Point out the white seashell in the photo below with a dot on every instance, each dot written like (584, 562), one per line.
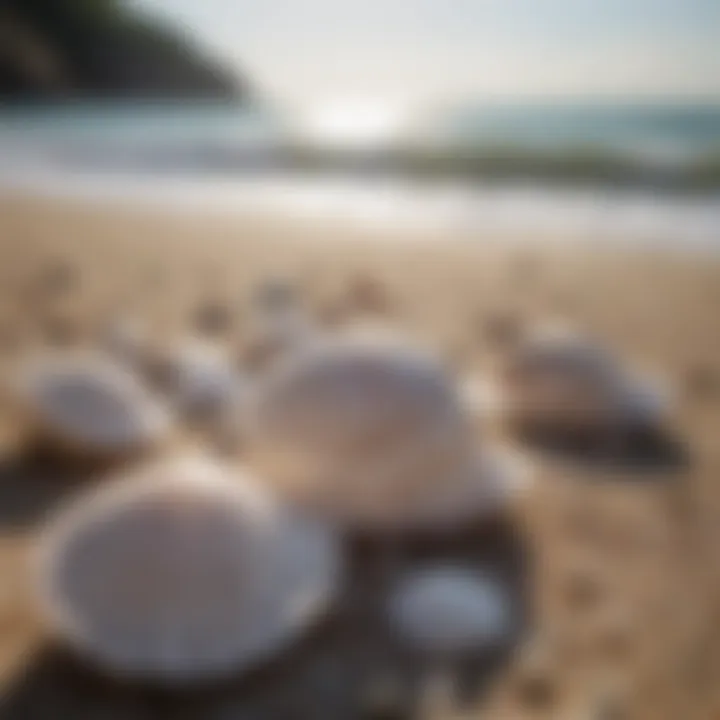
(645, 399)
(202, 383)
(181, 571)
(369, 432)
(561, 376)
(560, 348)
(447, 610)
(278, 324)
(88, 405)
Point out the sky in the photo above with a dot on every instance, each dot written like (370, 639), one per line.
(427, 51)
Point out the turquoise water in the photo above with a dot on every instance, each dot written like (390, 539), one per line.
(661, 130)
(641, 174)
(530, 136)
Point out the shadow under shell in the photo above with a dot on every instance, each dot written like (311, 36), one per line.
(642, 449)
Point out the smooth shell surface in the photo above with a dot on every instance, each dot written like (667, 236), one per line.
(202, 383)
(88, 404)
(278, 325)
(446, 610)
(183, 571)
(369, 433)
(562, 375)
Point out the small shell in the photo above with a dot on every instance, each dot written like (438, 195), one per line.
(184, 570)
(278, 325)
(449, 610)
(86, 405)
(560, 377)
(202, 384)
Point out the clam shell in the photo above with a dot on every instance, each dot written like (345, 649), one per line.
(202, 383)
(565, 378)
(183, 571)
(445, 610)
(370, 433)
(87, 405)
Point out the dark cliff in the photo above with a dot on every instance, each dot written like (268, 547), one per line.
(77, 49)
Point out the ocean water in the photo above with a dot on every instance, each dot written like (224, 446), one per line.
(641, 174)
(654, 132)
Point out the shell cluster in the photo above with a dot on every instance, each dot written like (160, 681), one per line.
(185, 567)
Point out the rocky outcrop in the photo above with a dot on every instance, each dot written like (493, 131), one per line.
(101, 49)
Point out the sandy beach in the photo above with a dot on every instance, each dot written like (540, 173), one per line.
(623, 566)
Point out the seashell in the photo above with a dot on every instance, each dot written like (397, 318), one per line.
(201, 383)
(372, 431)
(86, 405)
(449, 610)
(278, 326)
(560, 378)
(184, 570)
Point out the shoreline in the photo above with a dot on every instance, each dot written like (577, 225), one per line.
(571, 217)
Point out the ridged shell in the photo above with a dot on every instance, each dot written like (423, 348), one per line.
(184, 570)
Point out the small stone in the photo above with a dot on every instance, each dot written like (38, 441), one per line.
(501, 329)
(368, 294)
(213, 318)
(275, 294)
(702, 382)
(537, 691)
(448, 610)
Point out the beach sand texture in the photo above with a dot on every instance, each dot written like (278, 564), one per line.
(623, 565)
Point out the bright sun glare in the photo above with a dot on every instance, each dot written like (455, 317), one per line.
(362, 124)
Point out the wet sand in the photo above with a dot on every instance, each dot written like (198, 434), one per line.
(621, 564)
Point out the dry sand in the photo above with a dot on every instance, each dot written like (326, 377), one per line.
(624, 572)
